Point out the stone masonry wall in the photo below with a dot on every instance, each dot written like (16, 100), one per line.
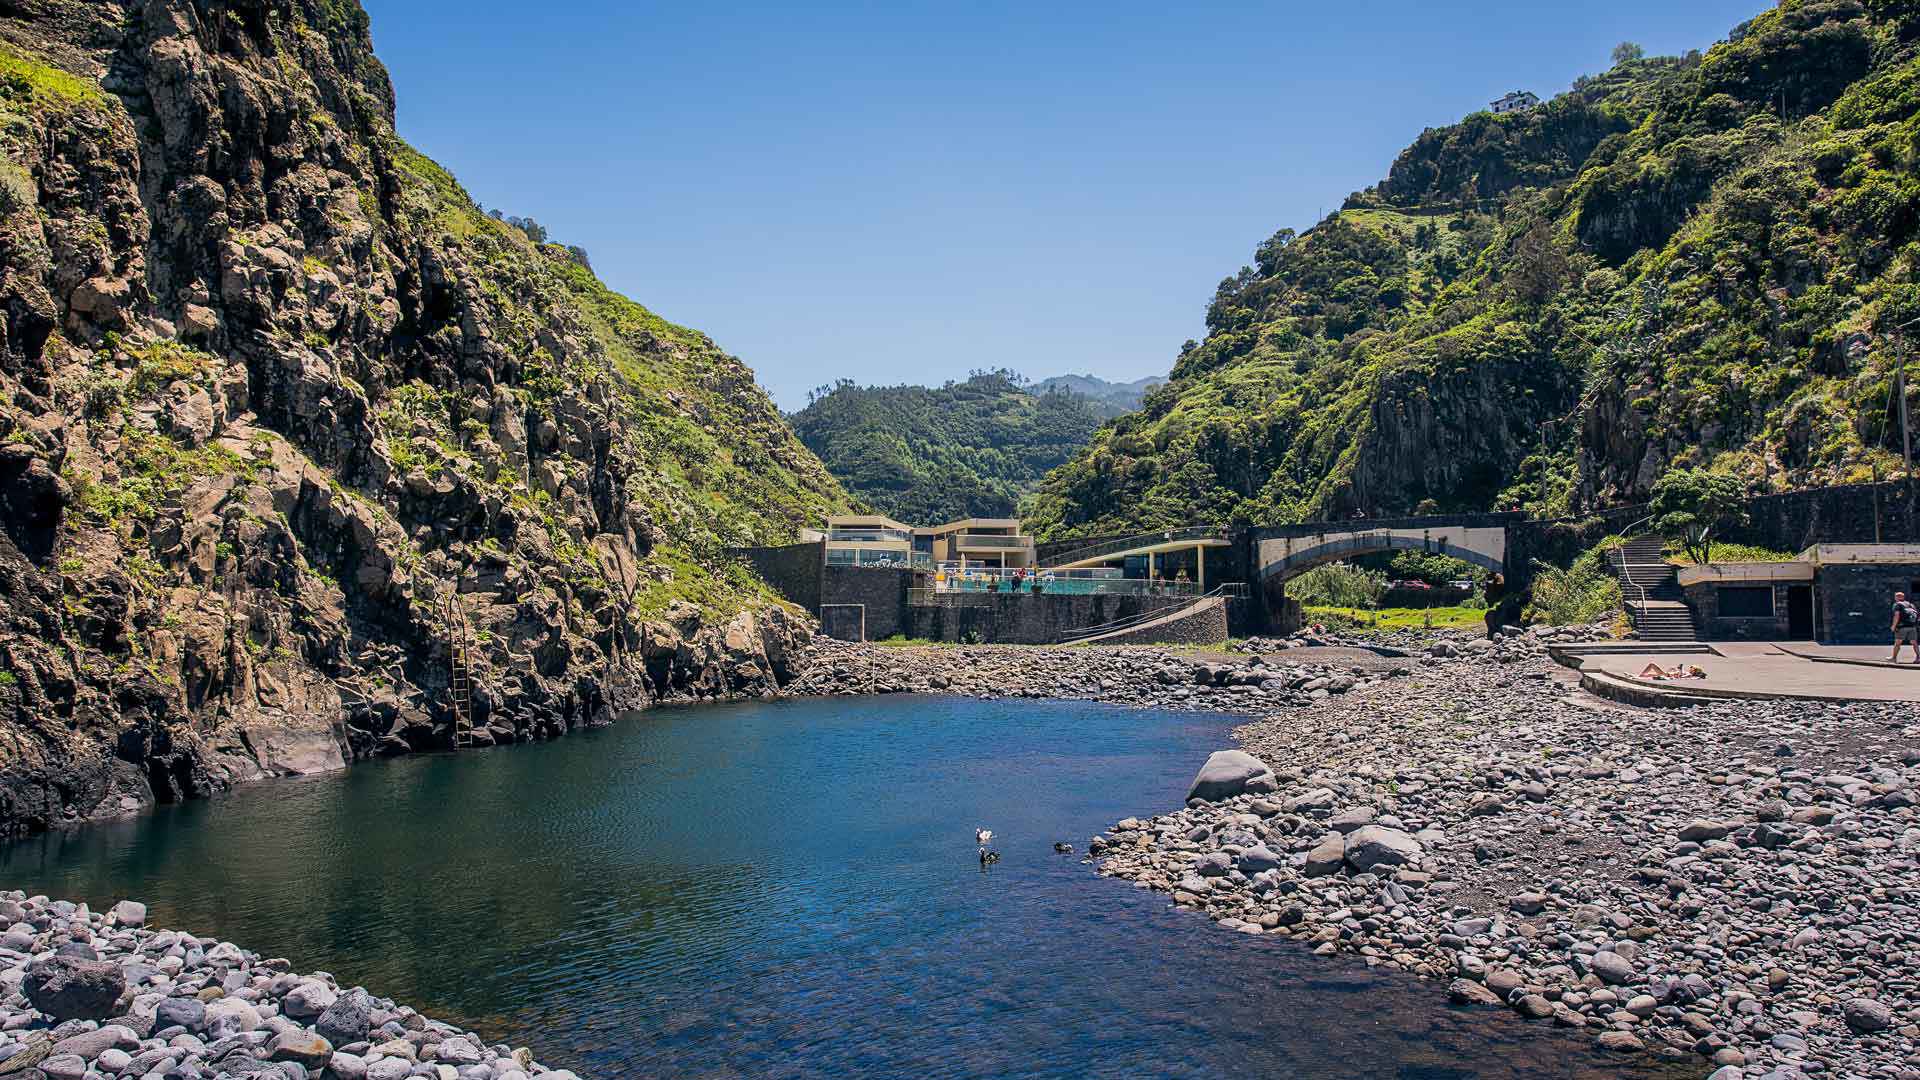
(794, 570)
(1855, 603)
(882, 591)
(1704, 598)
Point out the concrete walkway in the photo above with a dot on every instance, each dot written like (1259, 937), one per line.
(1863, 655)
(1763, 669)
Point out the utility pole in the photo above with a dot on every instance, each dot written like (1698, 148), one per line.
(1876, 502)
(1906, 434)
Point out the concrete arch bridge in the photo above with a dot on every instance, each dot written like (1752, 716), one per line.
(1303, 547)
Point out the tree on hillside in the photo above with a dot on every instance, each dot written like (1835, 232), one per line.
(1539, 266)
(1698, 505)
(1626, 52)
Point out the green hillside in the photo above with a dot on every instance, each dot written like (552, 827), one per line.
(930, 454)
(1546, 310)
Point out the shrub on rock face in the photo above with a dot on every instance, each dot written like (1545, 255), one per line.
(1231, 772)
(70, 988)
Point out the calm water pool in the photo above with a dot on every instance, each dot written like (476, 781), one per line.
(785, 890)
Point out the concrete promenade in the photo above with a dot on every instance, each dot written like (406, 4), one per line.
(1768, 669)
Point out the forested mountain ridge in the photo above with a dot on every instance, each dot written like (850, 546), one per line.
(925, 455)
(281, 410)
(1548, 309)
(1110, 398)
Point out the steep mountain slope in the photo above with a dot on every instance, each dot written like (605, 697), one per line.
(925, 455)
(275, 391)
(1548, 309)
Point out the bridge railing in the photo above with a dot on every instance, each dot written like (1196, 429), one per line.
(1167, 536)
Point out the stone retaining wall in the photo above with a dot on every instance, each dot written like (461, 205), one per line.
(1205, 625)
(883, 592)
(794, 570)
(1026, 619)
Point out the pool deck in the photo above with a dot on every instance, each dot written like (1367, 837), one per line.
(1801, 670)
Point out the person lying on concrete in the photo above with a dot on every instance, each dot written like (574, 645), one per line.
(1679, 671)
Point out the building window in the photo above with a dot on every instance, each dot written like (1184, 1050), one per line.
(1746, 601)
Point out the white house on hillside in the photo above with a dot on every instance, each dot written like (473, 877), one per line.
(1517, 101)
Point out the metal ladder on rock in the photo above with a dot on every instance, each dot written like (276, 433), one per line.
(460, 672)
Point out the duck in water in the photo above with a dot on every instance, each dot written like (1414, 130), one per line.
(983, 837)
(1060, 848)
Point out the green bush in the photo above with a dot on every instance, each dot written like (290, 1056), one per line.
(1337, 585)
(1585, 592)
(1433, 568)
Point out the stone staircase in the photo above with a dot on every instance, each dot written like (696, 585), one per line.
(1650, 589)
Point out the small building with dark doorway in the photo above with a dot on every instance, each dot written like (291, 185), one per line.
(1836, 594)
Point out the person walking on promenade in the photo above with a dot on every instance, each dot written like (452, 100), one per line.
(1906, 627)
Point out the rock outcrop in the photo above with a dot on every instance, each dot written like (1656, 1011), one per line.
(281, 407)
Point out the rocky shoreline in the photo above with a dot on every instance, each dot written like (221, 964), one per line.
(87, 994)
(1293, 672)
(1731, 884)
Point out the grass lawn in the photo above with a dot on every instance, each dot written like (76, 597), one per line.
(1399, 618)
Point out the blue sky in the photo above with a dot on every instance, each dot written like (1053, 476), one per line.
(902, 192)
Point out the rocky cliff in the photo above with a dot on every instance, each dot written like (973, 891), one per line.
(1694, 261)
(280, 408)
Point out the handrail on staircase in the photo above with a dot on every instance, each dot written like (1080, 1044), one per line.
(1620, 555)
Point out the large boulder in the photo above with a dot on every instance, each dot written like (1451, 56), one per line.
(1866, 1016)
(1376, 845)
(1231, 772)
(1327, 856)
(1613, 969)
(347, 1020)
(129, 913)
(70, 988)
(308, 1001)
(1257, 859)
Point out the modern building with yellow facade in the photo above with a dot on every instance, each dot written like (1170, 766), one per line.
(877, 540)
